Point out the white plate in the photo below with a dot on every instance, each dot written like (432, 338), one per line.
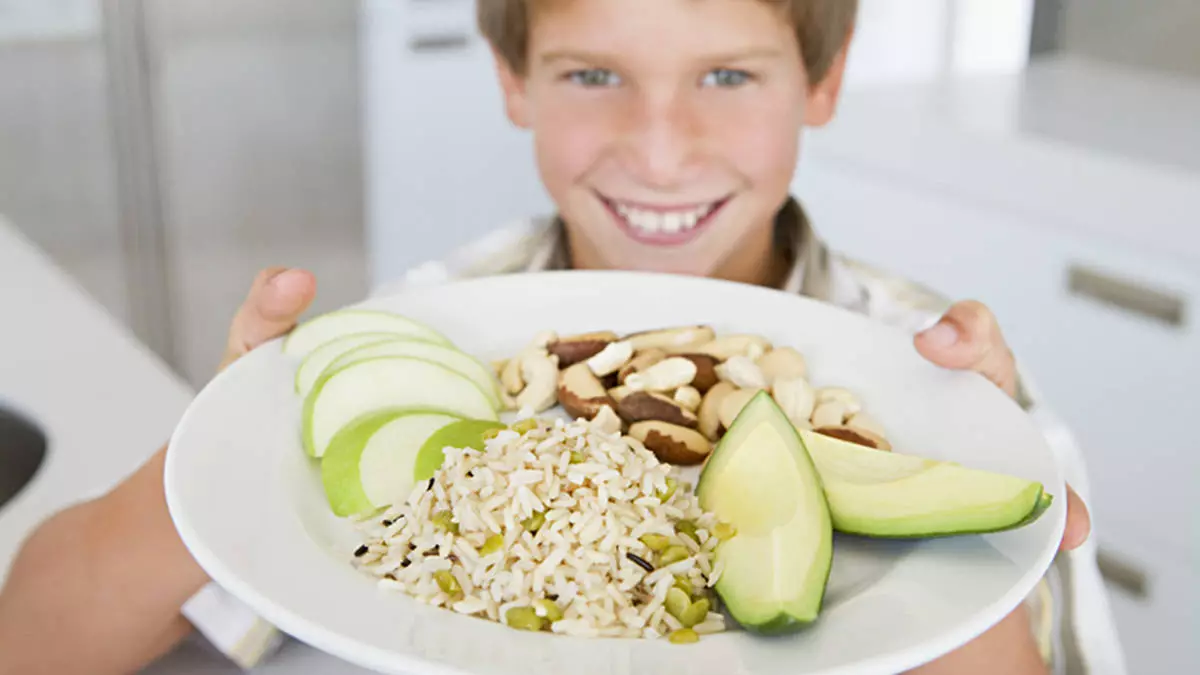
(249, 505)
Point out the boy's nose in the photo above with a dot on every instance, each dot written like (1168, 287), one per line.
(662, 140)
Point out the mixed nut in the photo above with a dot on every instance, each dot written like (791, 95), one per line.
(677, 389)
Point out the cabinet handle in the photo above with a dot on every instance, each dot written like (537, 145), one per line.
(440, 42)
(1126, 576)
(1131, 296)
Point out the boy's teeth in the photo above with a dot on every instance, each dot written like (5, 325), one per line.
(656, 221)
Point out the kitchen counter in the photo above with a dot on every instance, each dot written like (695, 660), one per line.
(106, 403)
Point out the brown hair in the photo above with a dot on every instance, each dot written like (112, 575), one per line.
(822, 27)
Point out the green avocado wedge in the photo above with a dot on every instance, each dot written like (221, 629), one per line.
(890, 495)
(459, 434)
(369, 463)
(761, 480)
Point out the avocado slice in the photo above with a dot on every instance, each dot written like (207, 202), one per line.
(890, 495)
(761, 480)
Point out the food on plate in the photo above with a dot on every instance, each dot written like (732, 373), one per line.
(371, 462)
(318, 360)
(458, 434)
(584, 526)
(556, 526)
(454, 359)
(575, 348)
(886, 494)
(672, 443)
(382, 383)
(321, 329)
(687, 376)
(761, 480)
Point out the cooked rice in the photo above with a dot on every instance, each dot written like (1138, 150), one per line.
(595, 512)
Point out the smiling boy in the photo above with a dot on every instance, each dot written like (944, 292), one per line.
(667, 133)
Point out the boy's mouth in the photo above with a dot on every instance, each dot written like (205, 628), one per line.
(663, 224)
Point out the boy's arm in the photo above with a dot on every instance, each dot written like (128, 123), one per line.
(1008, 648)
(98, 588)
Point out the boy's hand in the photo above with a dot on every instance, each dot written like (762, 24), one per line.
(276, 300)
(969, 338)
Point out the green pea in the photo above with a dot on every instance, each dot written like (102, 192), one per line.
(525, 426)
(534, 523)
(673, 555)
(444, 521)
(524, 618)
(687, 528)
(685, 586)
(655, 542)
(672, 485)
(677, 603)
(491, 545)
(694, 614)
(683, 636)
(449, 585)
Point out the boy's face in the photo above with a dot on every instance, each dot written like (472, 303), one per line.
(666, 132)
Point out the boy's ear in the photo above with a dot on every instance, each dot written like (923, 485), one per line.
(823, 96)
(512, 85)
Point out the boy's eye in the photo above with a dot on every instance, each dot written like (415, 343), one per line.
(725, 77)
(594, 77)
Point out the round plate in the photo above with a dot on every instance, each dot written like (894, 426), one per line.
(249, 504)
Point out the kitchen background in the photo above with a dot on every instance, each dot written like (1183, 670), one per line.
(1043, 157)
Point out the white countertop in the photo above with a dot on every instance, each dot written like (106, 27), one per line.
(106, 403)
(1103, 151)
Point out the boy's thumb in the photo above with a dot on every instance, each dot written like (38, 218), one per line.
(277, 299)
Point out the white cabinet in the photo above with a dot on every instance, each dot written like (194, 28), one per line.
(1108, 332)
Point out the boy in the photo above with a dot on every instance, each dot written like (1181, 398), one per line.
(667, 134)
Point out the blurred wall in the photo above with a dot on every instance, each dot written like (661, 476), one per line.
(1158, 34)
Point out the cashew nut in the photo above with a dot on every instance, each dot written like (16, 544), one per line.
(741, 371)
(641, 360)
(831, 413)
(865, 422)
(688, 397)
(782, 362)
(843, 396)
(732, 406)
(710, 420)
(607, 421)
(728, 346)
(683, 338)
(610, 359)
(540, 373)
(666, 375)
(795, 397)
(511, 377)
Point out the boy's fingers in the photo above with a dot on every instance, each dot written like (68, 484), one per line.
(968, 338)
(275, 302)
(1079, 522)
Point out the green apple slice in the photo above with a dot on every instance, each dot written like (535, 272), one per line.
(890, 495)
(450, 357)
(369, 463)
(386, 382)
(761, 480)
(318, 360)
(319, 330)
(460, 434)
